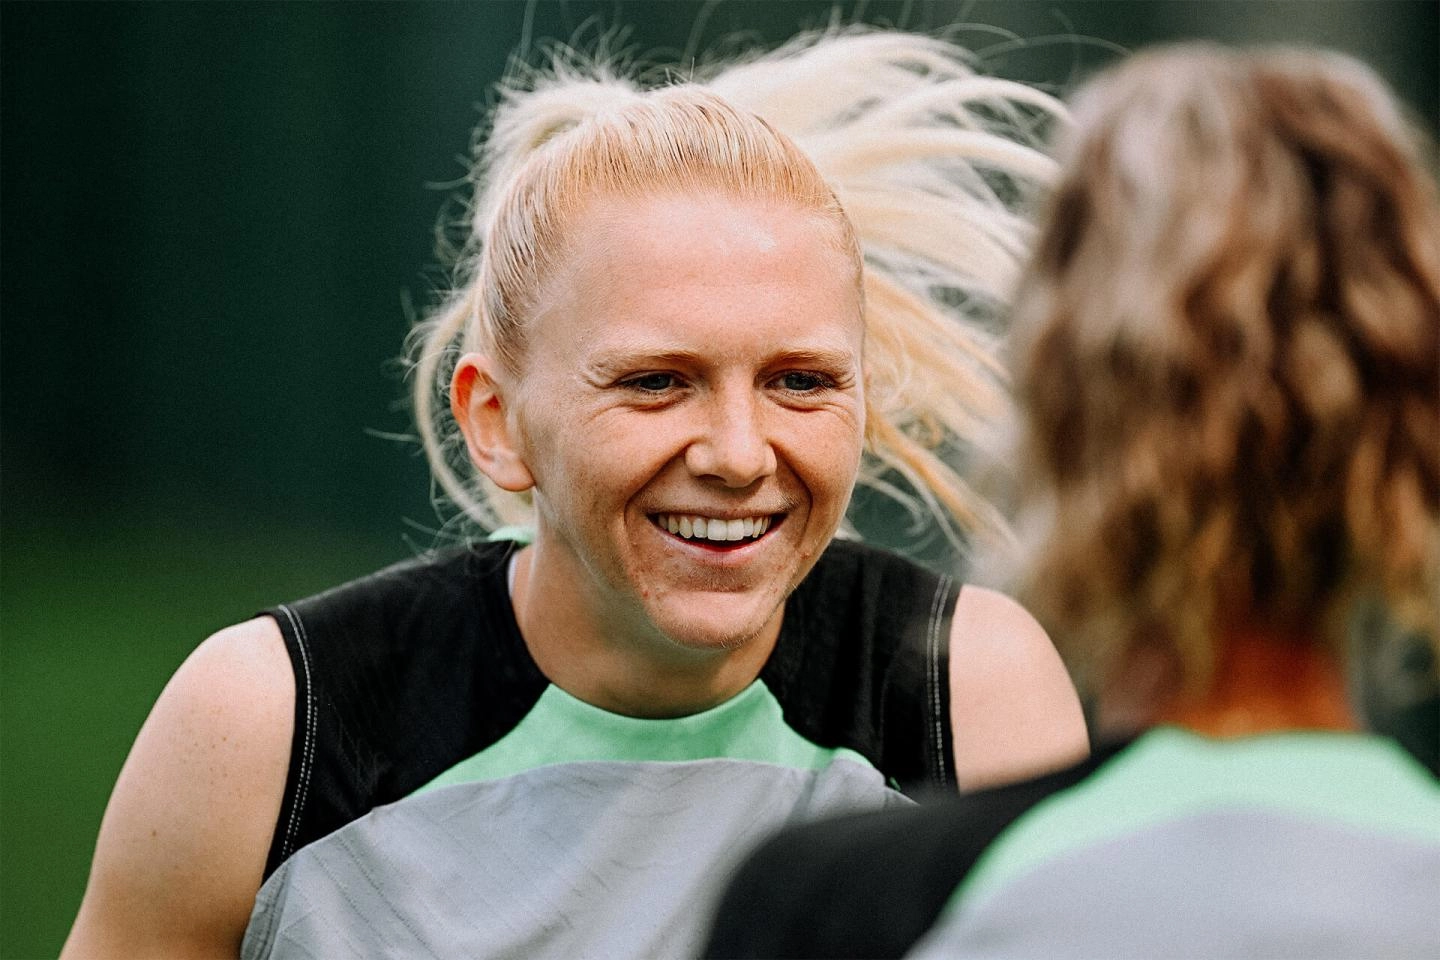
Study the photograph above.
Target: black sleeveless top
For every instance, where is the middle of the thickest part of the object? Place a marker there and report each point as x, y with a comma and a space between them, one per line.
402, 674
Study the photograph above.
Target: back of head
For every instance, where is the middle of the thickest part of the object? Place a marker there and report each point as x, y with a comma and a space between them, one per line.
920, 164
1228, 358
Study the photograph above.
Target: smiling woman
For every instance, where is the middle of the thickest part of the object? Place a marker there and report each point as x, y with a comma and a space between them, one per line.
685, 318
671, 354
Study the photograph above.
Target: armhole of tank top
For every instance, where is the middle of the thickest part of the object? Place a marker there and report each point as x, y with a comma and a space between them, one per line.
284, 842
940, 738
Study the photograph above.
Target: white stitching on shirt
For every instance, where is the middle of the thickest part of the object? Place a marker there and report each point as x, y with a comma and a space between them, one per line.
932, 675
307, 752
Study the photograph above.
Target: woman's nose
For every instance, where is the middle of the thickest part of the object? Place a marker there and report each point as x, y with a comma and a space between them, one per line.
733, 446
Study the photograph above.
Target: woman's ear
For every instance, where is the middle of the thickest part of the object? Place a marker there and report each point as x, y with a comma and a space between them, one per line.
481, 412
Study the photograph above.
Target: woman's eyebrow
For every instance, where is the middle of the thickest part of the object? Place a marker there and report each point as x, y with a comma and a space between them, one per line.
817, 356
629, 358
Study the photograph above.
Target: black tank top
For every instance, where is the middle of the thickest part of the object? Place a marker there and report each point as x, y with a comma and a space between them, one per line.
402, 674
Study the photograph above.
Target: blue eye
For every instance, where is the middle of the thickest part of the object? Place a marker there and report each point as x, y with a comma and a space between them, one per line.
802, 382
652, 382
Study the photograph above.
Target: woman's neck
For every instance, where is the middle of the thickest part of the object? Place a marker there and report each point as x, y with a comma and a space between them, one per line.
624, 670
1265, 681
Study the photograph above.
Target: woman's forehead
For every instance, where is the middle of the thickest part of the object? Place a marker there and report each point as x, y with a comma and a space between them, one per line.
671, 268
647, 225
621, 246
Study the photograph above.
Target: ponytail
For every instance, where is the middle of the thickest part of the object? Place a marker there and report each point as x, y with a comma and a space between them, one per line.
938, 168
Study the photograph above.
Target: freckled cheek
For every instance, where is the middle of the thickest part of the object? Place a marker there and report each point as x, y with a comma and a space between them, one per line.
827, 462
579, 460
604, 480
635, 457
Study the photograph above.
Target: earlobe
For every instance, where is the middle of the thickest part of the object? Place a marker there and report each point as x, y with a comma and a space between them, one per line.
479, 407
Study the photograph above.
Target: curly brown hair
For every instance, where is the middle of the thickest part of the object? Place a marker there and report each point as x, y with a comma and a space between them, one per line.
1226, 354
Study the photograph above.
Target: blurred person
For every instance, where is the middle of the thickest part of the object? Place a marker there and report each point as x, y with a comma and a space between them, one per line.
1227, 353
678, 337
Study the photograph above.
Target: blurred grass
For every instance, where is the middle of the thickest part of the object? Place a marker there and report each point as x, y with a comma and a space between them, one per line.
92, 624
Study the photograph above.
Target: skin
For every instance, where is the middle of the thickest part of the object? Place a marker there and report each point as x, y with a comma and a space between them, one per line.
700, 357
183, 843
1013, 711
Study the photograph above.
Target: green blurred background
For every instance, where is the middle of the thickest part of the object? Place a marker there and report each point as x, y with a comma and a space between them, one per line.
217, 219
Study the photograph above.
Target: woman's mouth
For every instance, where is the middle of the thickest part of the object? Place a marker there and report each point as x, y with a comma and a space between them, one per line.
715, 531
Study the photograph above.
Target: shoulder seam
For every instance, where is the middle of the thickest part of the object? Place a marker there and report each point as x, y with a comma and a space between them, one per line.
932, 676
307, 753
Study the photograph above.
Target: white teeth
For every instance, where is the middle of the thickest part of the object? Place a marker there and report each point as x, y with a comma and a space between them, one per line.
715, 530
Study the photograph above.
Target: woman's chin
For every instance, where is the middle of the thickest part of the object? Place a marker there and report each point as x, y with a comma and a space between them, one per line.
718, 624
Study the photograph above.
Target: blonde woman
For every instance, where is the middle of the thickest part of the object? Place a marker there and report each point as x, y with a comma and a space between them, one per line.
677, 338
1228, 365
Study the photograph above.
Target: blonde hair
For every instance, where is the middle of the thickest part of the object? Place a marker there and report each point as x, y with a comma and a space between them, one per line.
922, 165
1226, 358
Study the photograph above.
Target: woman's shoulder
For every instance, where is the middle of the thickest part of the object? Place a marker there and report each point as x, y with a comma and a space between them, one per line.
1013, 707
398, 676
183, 842
946, 651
